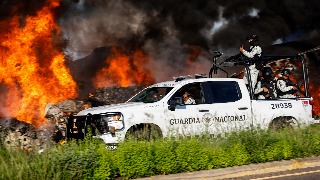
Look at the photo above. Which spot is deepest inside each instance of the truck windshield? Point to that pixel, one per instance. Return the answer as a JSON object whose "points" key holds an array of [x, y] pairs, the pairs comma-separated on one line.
{"points": [[151, 95]]}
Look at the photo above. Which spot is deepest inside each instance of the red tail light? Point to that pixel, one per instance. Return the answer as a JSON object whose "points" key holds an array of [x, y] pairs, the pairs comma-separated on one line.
{"points": [[311, 102]]}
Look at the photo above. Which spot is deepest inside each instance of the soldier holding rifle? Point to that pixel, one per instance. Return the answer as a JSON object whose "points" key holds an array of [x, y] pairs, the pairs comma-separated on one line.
{"points": [[266, 86]]}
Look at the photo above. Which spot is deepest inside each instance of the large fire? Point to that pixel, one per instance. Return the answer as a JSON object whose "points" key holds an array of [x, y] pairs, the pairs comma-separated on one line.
{"points": [[124, 70], [315, 92], [32, 66]]}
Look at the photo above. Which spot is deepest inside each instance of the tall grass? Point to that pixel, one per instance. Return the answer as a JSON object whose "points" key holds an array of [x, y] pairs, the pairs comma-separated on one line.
{"points": [[90, 159]]}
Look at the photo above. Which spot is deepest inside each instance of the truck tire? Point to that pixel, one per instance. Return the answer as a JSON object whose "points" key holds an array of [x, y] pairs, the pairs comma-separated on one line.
{"points": [[144, 132], [284, 122]]}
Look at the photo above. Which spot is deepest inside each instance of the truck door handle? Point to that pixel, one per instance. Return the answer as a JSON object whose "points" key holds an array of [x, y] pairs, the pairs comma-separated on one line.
{"points": [[242, 108], [203, 110]]}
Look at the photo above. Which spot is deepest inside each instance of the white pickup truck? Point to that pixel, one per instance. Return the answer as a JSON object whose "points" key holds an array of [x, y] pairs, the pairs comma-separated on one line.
{"points": [[222, 105]]}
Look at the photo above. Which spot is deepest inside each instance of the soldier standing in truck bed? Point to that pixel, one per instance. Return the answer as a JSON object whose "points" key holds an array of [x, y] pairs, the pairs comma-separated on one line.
{"points": [[253, 54]]}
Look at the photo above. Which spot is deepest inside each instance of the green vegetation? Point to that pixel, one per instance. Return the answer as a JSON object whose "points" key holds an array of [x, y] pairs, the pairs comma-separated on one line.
{"points": [[90, 159]]}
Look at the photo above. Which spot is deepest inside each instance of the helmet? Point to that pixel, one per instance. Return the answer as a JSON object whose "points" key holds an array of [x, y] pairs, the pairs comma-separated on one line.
{"points": [[286, 72], [254, 37], [267, 72]]}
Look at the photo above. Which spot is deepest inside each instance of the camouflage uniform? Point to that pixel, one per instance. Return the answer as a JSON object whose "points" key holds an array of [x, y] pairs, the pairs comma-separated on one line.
{"points": [[285, 88], [255, 51], [271, 88]]}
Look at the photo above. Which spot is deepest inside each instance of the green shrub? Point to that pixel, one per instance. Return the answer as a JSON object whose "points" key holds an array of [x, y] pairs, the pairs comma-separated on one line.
{"points": [[312, 146], [219, 158], [90, 159], [135, 159], [191, 156], [165, 158], [238, 155], [106, 168]]}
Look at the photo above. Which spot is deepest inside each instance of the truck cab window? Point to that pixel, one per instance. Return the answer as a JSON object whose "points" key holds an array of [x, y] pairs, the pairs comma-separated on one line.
{"points": [[222, 92], [151, 95], [194, 90]]}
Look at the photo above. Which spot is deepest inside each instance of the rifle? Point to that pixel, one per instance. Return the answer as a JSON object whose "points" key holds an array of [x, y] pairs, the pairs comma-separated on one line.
{"points": [[240, 59], [298, 86], [271, 88], [214, 68], [232, 61], [234, 58]]}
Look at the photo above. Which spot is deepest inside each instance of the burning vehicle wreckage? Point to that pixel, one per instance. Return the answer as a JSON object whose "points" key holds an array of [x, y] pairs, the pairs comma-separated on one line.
{"points": [[71, 119], [109, 122]]}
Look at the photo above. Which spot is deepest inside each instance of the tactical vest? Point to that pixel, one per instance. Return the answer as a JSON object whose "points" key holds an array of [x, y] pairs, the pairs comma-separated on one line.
{"points": [[255, 60]]}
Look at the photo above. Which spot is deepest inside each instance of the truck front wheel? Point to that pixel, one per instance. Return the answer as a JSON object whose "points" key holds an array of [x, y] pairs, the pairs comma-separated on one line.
{"points": [[145, 132], [284, 122]]}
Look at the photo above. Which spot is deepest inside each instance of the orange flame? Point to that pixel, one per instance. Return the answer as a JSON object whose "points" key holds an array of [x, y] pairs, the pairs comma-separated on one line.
{"points": [[123, 70], [32, 66], [315, 92]]}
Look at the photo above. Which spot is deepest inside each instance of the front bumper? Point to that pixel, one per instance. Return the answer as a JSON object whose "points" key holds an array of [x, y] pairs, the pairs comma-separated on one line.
{"points": [[97, 125], [109, 139]]}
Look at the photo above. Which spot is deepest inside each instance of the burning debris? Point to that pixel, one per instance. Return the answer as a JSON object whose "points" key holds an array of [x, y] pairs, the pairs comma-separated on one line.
{"points": [[113, 95], [19, 134]]}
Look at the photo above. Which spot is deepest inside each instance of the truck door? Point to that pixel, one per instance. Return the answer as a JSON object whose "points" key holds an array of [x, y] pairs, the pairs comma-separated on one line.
{"points": [[219, 108], [185, 119], [227, 109]]}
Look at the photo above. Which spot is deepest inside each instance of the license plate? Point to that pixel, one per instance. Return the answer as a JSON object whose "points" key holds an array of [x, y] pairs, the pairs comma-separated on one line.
{"points": [[316, 121]]}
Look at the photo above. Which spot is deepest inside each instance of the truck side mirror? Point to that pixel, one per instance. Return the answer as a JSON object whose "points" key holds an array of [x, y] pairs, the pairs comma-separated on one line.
{"points": [[174, 102]]}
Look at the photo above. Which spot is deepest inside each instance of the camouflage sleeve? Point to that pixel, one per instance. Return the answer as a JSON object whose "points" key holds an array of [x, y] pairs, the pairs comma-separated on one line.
{"points": [[258, 88], [281, 85], [255, 50]]}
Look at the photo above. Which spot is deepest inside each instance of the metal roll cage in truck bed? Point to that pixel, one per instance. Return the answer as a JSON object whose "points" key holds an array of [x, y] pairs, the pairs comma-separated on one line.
{"points": [[241, 60]]}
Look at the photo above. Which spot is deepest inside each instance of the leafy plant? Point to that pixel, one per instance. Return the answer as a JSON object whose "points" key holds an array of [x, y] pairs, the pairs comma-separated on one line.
{"points": [[90, 159]]}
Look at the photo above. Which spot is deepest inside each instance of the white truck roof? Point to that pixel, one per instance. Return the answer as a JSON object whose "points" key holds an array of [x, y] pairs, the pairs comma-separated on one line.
{"points": [[190, 80]]}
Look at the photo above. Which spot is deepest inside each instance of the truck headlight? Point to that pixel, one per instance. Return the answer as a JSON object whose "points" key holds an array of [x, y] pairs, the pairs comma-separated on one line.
{"points": [[114, 120]]}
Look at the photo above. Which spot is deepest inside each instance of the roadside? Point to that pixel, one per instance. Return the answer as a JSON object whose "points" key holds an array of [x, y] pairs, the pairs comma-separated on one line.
{"points": [[241, 171]]}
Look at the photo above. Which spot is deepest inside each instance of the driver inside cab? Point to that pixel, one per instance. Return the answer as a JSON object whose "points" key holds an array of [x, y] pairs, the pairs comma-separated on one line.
{"points": [[187, 98]]}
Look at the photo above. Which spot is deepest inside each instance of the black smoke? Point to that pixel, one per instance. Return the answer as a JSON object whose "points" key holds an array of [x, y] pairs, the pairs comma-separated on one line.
{"points": [[9, 8], [135, 22], [166, 29]]}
